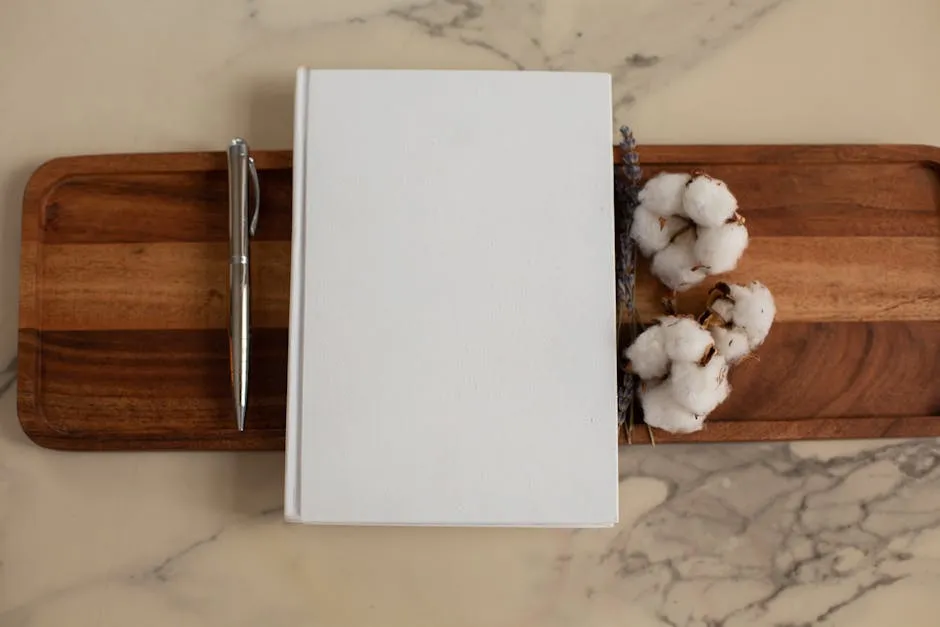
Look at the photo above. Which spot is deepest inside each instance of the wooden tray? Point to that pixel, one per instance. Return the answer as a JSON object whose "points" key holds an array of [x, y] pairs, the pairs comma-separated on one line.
{"points": [[122, 337]]}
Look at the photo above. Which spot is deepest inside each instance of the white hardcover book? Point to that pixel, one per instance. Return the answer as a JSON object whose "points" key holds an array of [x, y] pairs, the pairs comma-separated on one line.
{"points": [[452, 316]]}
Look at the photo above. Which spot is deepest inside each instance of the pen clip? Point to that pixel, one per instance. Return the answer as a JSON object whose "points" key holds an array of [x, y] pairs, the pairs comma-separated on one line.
{"points": [[253, 171]]}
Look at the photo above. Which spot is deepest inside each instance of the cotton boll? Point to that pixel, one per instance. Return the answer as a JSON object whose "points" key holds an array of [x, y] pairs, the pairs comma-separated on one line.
{"points": [[724, 308], [736, 292], [663, 193], [699, 389], [647, 354], [660, 410], [732, 344], [653, 232], [754, 311], [676, 265], [720, 247], [685, 339], [708, 201]]}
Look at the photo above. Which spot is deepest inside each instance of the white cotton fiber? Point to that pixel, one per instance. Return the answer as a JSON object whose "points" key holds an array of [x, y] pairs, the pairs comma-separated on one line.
{"points": [[699, 389], [660, 410], [663, 193], [708, 201], [754, 311], [685, 339], [732, 344], [676, 265], [720, 247], [724, 308], [647, 354], [653, 232]]}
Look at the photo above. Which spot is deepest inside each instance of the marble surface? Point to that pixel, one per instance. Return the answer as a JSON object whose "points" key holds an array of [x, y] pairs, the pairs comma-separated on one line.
{"points": [[712, 536]]}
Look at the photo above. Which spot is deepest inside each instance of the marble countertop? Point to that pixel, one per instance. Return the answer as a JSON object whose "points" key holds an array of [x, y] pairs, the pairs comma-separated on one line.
{"points": [[838, 533]]}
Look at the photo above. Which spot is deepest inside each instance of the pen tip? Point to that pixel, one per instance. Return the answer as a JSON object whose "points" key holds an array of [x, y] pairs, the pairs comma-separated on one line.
{"points": [[240, 417]]}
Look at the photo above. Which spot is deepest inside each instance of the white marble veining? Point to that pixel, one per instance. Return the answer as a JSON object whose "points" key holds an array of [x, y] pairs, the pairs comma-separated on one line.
{"points": [[837, 533]]}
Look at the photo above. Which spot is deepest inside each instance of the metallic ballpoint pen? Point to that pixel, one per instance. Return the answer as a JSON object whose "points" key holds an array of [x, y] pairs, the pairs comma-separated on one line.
{"points": [[241, 167]]}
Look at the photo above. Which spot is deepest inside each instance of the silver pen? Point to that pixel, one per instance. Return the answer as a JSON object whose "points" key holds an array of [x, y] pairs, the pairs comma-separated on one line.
{"points": [[241, 168]]}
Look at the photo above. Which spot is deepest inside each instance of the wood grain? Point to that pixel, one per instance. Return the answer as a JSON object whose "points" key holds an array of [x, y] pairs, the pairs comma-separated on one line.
{"points": [[160, 207], [152, 379], [178, 206], [123, 312], [155, 286], [827, 279]]}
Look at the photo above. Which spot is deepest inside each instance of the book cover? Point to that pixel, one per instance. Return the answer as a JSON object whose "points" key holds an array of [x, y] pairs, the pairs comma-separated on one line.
{"points": [[453, 319]]}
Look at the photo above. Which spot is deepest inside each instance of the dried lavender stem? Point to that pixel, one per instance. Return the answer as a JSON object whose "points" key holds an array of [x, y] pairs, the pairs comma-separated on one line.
{"points": [[627, 199]]}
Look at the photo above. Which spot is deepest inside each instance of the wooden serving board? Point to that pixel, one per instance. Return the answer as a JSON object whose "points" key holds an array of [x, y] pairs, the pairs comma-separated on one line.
{"points": [[123, 344]]}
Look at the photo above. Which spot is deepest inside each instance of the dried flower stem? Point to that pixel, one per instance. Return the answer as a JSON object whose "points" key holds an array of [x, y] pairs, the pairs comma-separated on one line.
{"points": [[626, 198]]}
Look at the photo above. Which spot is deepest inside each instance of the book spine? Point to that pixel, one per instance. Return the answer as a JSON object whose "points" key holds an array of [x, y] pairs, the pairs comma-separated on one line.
{"points": [[296, 331]]}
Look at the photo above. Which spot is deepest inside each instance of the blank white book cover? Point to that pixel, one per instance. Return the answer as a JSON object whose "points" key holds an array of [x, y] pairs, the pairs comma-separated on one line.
{"points": [[453, 317]]}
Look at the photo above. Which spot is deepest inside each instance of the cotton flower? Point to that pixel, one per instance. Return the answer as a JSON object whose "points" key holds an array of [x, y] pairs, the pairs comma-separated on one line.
{"points": [[685, 339], [662, 411], [676, 265], [754, 311], [708, 202], [663, 194], [647, 354], [719, 248], [684, 378], [747, 309], [732, 344], [699, 388], [689, 227], [653, 232]]}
